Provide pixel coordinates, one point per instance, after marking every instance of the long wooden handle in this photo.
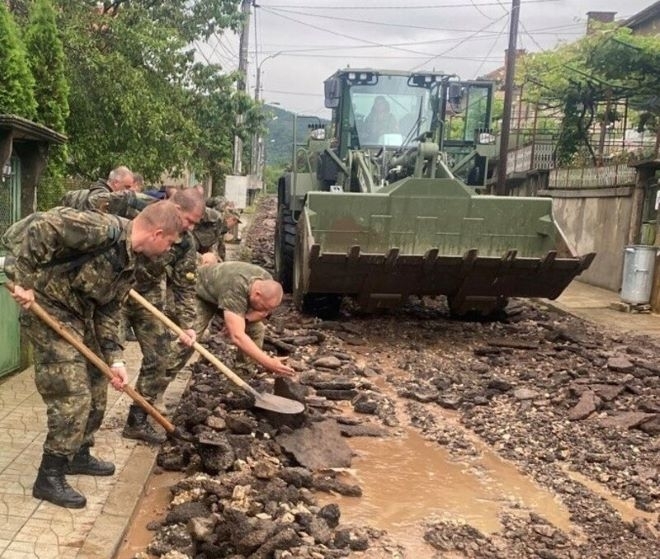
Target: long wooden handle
(101, 365)
(199, 348)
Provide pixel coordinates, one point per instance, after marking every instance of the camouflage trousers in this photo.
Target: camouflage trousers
(154, 340)
(179, 354)
(74, 391)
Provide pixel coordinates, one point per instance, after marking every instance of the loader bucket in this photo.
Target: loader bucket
(424, 236)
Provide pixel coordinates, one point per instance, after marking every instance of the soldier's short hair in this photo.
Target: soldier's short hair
(189, 200)
(119, 173)
(162, 215)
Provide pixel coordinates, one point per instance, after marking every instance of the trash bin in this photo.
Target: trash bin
(638, 267)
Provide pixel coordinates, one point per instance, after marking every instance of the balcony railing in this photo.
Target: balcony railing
(533, 156)
(592, 177)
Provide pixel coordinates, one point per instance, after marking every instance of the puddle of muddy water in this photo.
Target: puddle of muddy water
(407, 479)
(626, 509)
(152, 507)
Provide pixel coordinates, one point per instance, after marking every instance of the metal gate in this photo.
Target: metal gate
(10, 211)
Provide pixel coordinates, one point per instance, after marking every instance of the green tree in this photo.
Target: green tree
(17, 88)
(138, 94)
(46, 58)
(585, 78)
(46, 61)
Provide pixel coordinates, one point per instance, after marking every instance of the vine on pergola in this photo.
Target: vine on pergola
(584, 80)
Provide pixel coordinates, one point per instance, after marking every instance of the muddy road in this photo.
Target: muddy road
(537, 436)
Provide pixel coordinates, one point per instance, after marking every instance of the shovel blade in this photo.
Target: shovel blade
(277, 404)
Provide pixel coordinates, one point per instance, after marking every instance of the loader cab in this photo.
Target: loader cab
(376, 110)
(373, 110)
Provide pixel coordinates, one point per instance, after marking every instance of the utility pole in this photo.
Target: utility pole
(241, 84)
(500, 188)
(257, 140)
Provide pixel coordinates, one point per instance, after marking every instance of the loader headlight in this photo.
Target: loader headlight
(486, 138)
(318, 134)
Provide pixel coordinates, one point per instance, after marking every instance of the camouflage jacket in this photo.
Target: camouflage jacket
(218, 203)
(100, 197)
(209, 230)
(81, 262)
(227, 284)
(178, 266)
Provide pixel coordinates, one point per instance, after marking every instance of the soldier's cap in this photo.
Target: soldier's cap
(231, 212)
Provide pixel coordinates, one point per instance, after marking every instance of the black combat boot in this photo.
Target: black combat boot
(137, 427)
(51, 485)
(84, 463)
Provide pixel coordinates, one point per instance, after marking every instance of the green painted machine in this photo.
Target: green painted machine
(387, 205)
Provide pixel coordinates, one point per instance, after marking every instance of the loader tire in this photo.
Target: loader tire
(285, 246)
(322, 305)
(491, 310)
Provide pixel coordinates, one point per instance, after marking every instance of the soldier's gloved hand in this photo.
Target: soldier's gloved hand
(120, 378)
(24, 297)
(188, 338)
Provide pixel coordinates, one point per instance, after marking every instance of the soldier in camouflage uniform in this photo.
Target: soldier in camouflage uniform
(177, 268)
(119, 195)
(119, 180)
(218, 203)
(246, 294)
(208, 232)
(211, 230)
(79, 266)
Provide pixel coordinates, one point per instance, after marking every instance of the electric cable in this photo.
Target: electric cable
(345, 36)
(492, 47)
(364, 21)
(400, 6)
(476, 7)
(459, 43)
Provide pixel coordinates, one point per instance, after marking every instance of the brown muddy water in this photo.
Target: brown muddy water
(153, 506)
(407, 479)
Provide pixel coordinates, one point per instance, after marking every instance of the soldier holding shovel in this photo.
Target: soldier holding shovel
(79, 266)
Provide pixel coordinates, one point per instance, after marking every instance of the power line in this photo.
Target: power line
(390, 57)
(356, 47)
(381, 23)
(306, 24)
(227, 48)
(476, 7)
(402, 6)
(492, 47)
(459, 42)
(291, 93)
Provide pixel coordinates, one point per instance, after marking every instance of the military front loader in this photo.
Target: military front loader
(388, 204)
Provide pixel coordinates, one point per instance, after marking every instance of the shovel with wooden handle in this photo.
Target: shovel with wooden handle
(101, 365)
(264, 401)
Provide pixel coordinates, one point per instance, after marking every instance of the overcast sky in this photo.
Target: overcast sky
(299, 43)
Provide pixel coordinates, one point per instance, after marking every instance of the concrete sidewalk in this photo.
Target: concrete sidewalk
(35, 529)
(595, 304)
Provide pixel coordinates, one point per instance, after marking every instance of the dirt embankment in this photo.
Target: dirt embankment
(574, 408)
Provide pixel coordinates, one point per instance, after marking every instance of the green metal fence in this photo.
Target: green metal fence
(10, 211)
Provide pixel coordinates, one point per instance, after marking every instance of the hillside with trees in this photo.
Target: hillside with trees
(279, 138)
